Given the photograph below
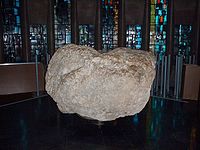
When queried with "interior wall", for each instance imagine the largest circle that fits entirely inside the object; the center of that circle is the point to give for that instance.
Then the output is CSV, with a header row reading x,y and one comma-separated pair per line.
x,y
86,11
184,11
37,11
198,60
134,11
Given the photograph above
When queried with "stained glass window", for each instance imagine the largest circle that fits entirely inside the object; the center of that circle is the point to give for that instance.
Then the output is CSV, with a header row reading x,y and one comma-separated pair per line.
x,y
158,26
182,41
62,21
86,35
12,38
134,36
38,40
110,16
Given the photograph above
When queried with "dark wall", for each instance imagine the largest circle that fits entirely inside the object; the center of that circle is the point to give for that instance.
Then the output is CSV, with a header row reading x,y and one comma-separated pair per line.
x,y
86,11
134,11
199,51
184,11
37,11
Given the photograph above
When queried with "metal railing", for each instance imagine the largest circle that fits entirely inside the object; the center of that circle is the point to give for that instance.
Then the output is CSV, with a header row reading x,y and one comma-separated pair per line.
x,y
169,74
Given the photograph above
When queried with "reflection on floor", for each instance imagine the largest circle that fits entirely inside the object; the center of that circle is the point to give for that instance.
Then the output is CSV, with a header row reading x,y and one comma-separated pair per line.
x,y
38,125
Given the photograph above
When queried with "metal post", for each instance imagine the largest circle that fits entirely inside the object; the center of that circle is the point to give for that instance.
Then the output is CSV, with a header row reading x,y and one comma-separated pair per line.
x,y
194,60
162,74
47,57
153,87
168,72
180,75
190,59
36,71
178,78
175,78
155,80
151,91
165,77
157,73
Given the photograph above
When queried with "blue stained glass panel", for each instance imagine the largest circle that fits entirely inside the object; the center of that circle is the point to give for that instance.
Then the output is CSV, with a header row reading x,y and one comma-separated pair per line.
x,y
38,40
12,39
134,36
86,35
62,22
182,41
110,24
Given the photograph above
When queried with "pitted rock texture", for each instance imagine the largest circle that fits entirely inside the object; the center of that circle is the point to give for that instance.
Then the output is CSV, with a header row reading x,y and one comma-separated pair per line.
x,y
100,86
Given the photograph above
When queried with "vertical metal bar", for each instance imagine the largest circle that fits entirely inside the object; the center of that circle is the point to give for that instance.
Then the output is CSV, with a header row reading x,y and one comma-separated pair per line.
x,y
47,57
175,78
190,59
37,73
155,80
194,60
168,72
180,75
165,76
151,91
178,78
162,73
154,85
158,73
153,88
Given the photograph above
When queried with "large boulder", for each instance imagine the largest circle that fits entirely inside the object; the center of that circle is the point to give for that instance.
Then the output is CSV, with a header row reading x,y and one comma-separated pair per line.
x,y
100,86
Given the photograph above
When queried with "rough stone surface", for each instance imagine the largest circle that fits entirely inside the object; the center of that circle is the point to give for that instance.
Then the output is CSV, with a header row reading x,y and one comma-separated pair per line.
x,y
100,86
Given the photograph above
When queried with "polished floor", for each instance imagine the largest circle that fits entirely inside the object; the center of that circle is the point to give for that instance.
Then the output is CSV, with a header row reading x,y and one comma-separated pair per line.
x,y
37,124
